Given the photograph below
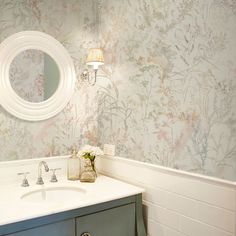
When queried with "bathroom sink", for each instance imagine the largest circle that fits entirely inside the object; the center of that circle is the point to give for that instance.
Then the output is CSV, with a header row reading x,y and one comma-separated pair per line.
x,y
55,194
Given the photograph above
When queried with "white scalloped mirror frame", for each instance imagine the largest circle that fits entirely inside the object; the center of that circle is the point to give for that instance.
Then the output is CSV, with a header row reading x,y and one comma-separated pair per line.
x,y
13,103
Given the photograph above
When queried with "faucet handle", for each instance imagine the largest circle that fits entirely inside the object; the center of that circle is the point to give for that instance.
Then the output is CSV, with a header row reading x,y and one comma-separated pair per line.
x,y
54,177
25,182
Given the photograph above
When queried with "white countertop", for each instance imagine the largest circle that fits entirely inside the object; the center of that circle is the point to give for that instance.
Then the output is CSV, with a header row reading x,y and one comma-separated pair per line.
x,y
14,209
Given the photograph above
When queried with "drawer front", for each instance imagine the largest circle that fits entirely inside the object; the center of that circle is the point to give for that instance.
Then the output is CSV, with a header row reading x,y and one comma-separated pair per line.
x,y
118,221
63,228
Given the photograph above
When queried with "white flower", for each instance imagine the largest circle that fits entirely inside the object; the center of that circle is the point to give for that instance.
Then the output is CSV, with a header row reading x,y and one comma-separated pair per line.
x,y
93,151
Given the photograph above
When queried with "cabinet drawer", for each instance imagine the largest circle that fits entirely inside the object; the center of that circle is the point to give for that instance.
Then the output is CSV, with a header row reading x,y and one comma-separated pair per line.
x,y
118,221
63,228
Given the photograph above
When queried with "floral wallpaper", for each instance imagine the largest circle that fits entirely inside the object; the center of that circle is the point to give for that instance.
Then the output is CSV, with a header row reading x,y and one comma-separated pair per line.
x,y
168,94
73,24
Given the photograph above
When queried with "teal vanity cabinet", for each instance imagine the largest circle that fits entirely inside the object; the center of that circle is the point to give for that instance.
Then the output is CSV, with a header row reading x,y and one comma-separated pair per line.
x,y
121,217
61,228
116,222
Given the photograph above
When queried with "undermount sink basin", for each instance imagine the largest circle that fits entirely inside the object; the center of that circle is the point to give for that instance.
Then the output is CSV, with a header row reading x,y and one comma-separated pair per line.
x,y
55,194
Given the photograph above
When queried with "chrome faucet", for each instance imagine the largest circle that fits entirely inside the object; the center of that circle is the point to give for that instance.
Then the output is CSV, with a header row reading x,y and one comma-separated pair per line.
x,y
40,179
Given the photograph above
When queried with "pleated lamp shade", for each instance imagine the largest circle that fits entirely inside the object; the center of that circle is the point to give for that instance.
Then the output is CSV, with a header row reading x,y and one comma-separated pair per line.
x,y
95,57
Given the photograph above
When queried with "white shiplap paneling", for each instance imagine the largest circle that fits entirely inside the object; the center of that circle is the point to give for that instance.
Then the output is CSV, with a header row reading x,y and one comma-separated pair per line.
x,y
178,203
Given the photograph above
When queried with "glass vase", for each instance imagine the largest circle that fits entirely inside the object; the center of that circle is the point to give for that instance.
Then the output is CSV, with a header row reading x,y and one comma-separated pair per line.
x,y
88,174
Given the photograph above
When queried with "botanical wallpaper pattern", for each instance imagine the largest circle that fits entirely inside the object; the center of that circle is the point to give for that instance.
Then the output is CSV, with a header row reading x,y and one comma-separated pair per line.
x,y
167,94
72,23
169,91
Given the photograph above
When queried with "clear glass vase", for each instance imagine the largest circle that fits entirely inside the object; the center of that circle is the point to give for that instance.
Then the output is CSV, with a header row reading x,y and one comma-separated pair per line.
x,y
89,173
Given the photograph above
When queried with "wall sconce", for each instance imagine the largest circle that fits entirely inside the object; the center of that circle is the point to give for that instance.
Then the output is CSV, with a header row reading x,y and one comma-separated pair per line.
x,y
95,59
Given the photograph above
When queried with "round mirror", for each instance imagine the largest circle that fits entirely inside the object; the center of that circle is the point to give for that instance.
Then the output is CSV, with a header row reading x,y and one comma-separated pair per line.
x,y
34,75
37,75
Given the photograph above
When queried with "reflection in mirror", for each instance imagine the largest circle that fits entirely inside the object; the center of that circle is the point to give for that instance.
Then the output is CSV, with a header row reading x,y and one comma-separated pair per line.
x,y
34,75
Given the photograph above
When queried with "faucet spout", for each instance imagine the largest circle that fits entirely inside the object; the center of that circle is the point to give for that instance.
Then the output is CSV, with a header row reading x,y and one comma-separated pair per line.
x,y
40,179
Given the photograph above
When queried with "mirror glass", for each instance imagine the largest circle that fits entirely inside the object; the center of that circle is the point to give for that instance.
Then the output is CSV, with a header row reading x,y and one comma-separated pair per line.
x,y
34,75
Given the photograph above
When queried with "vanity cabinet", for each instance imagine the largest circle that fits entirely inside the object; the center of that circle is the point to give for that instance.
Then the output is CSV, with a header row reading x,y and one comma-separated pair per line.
x,y
122,217
62,228
118,221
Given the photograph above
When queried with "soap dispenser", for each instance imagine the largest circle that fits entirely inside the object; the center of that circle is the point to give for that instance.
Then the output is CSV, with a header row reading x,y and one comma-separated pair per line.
x,y
73,166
